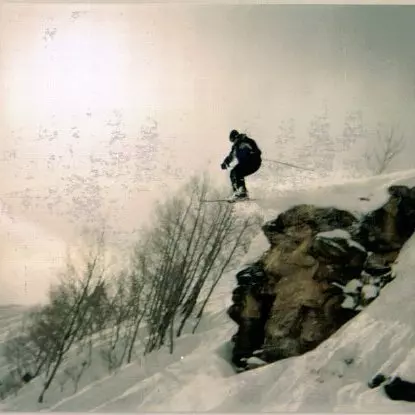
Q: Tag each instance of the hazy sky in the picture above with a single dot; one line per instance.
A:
(82, 81)
(199, 70)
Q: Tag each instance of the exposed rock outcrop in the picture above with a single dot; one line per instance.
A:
(323, 266)
(396, 388)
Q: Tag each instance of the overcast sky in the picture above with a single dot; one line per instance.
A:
(203, 70)
(200, 71)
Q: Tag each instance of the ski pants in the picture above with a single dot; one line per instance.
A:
(241, 170)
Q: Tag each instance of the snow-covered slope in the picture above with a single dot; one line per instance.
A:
(333, 377)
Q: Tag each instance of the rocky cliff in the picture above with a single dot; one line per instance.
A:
(324, 265)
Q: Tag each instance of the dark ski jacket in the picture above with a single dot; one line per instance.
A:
(244, 149)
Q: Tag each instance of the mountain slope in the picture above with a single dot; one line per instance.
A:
(333, 377)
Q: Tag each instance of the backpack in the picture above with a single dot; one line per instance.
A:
(246, 148)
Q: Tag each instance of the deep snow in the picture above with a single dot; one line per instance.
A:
(197, 376)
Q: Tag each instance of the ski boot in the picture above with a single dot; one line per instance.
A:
(239, 195)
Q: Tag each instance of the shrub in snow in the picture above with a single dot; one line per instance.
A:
(337, 247)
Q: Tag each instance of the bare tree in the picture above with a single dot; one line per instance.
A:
(126, 309)
(27, 349)
(241, 238)
(320, 137)
(120, 313)
(20, 353)
(75, 372)
(52, 330)
(389, 145)
(138, 300)
(66, 322)
(10, 384)
(189, 244)
(173, 271)
(62, 379)
(286, 133)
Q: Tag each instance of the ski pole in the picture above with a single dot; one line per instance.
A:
(288, 164)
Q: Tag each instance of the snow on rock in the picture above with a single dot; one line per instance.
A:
(369, 292)
(254, 362)
(354, 286)
(349, 302)
(340, 234)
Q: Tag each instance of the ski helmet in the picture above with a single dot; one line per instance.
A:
(233, 135)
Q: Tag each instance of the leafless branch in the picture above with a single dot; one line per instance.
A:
(388, 147)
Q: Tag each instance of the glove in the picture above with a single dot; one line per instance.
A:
(223, 166)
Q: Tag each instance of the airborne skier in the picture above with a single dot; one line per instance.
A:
(248, 155)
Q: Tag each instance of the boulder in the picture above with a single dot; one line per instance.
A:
(323, 266)
(387, 228)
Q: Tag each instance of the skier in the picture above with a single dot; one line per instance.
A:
(246, 151)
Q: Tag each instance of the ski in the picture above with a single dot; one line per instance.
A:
(228, 201)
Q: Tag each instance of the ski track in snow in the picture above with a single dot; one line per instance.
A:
(197, 377)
